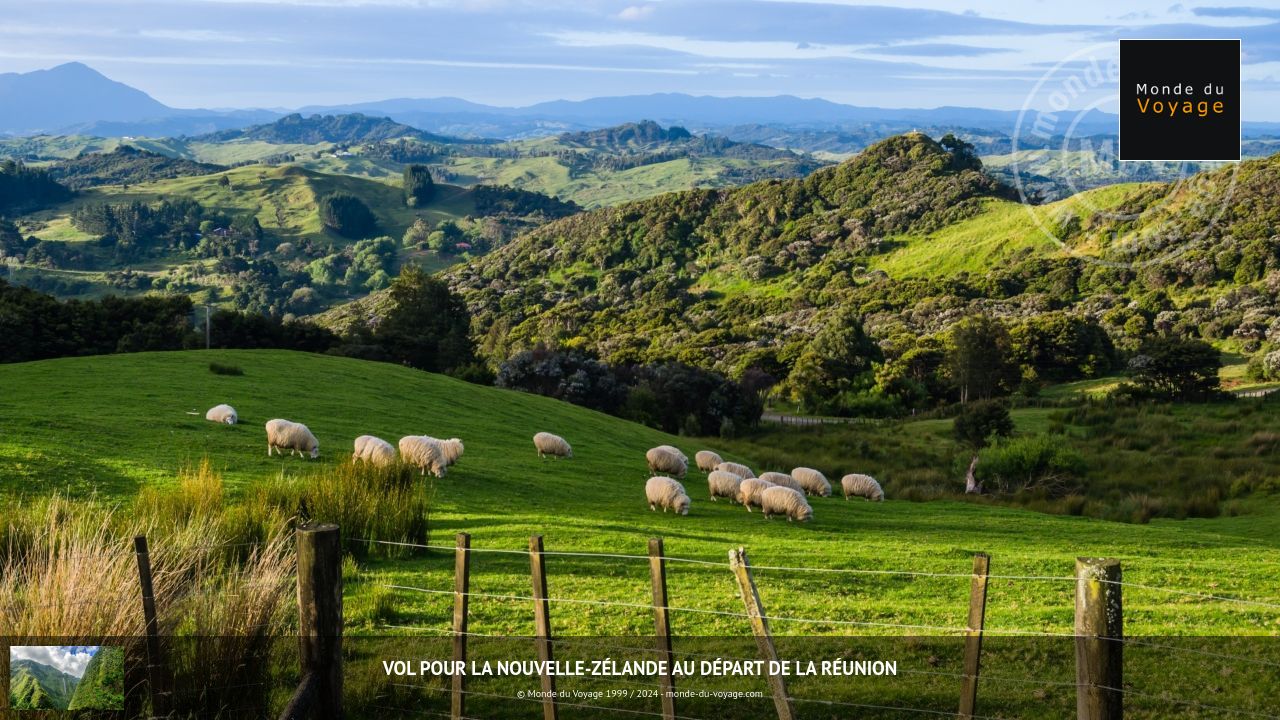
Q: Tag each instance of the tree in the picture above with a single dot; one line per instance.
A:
(418, 186)
(1174, 368)
(427, 326)
(974, 427)
(839, 353)
(980, 358)
(347, 215)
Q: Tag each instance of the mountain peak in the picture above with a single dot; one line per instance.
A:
(69, 94)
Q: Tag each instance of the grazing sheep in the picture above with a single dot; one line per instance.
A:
(662, 459)
(785, 501)
(295, 437)
(222, 414)
(813, 482)
(373, 450)
(707, 460)
(424, 453)
(677, 451)
(723, 484)
(452, 450)
(749, 492)
(668, 494)
(738, 469)
(783, 479)
(552, 445)
(863, 486)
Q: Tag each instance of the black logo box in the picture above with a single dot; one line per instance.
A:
(1180, 65)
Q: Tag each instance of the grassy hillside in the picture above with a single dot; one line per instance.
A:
(132, 428)
(34, 686)
(102, 685)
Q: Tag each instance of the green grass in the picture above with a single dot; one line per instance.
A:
(106, 426)
(1002, 230)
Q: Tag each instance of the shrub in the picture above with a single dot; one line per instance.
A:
(1033, 463)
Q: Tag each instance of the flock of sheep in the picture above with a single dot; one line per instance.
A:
(426, 453)
(775, 493)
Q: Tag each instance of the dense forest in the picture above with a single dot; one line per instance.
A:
(25, 189)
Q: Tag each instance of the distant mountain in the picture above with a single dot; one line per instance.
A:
(348, 128)
(67, 95)
(658, 144)
(182, 123)
(628, 135)
(126, 165)
(34, 685)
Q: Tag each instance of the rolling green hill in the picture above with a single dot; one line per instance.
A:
(35, 686)
(143, 420)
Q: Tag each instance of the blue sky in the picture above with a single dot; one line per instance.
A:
(910, 53)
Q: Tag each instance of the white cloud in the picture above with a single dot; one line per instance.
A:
(70, 659)
(635, 12)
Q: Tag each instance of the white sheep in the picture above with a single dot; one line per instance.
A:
(783, 479)
(723, 484)
(552, 445)
(707, 460)
(295, 437)
(424, 453)
(785, 501)
(666, 459)
(863, 486)
(666, 493)
(452, 450)
(738, 469)
(373, 450)
(749, 492)
(222, 414)
(677, 451)
(813, 482)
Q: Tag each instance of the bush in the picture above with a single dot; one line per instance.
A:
(1035, 463)
(347, 215)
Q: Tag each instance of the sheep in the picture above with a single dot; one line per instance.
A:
(222, 414)
(373, 450)
(676, 451)
(666, 493)
(452, 450)
(424, 453)
(663, 459)
(783, 479)
(863, 486)
(723, 484)
(785, 501)
(738, 469)
(295, 437)
(749, 491)
(707, 460)
(813, 482)
(552, 445)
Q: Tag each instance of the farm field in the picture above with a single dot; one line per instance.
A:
(57, 438)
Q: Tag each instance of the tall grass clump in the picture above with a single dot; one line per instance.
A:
(369, 503)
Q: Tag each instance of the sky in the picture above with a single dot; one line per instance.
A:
(70, 659)
(900, 53)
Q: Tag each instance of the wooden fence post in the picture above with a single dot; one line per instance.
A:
(662, 627)
(760, 627)
(320, 617)
(160, 699)
(542, 626)
(1099, 640)
(973, 635)
(461, 586)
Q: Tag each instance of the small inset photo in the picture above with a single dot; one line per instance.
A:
(66, 677)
